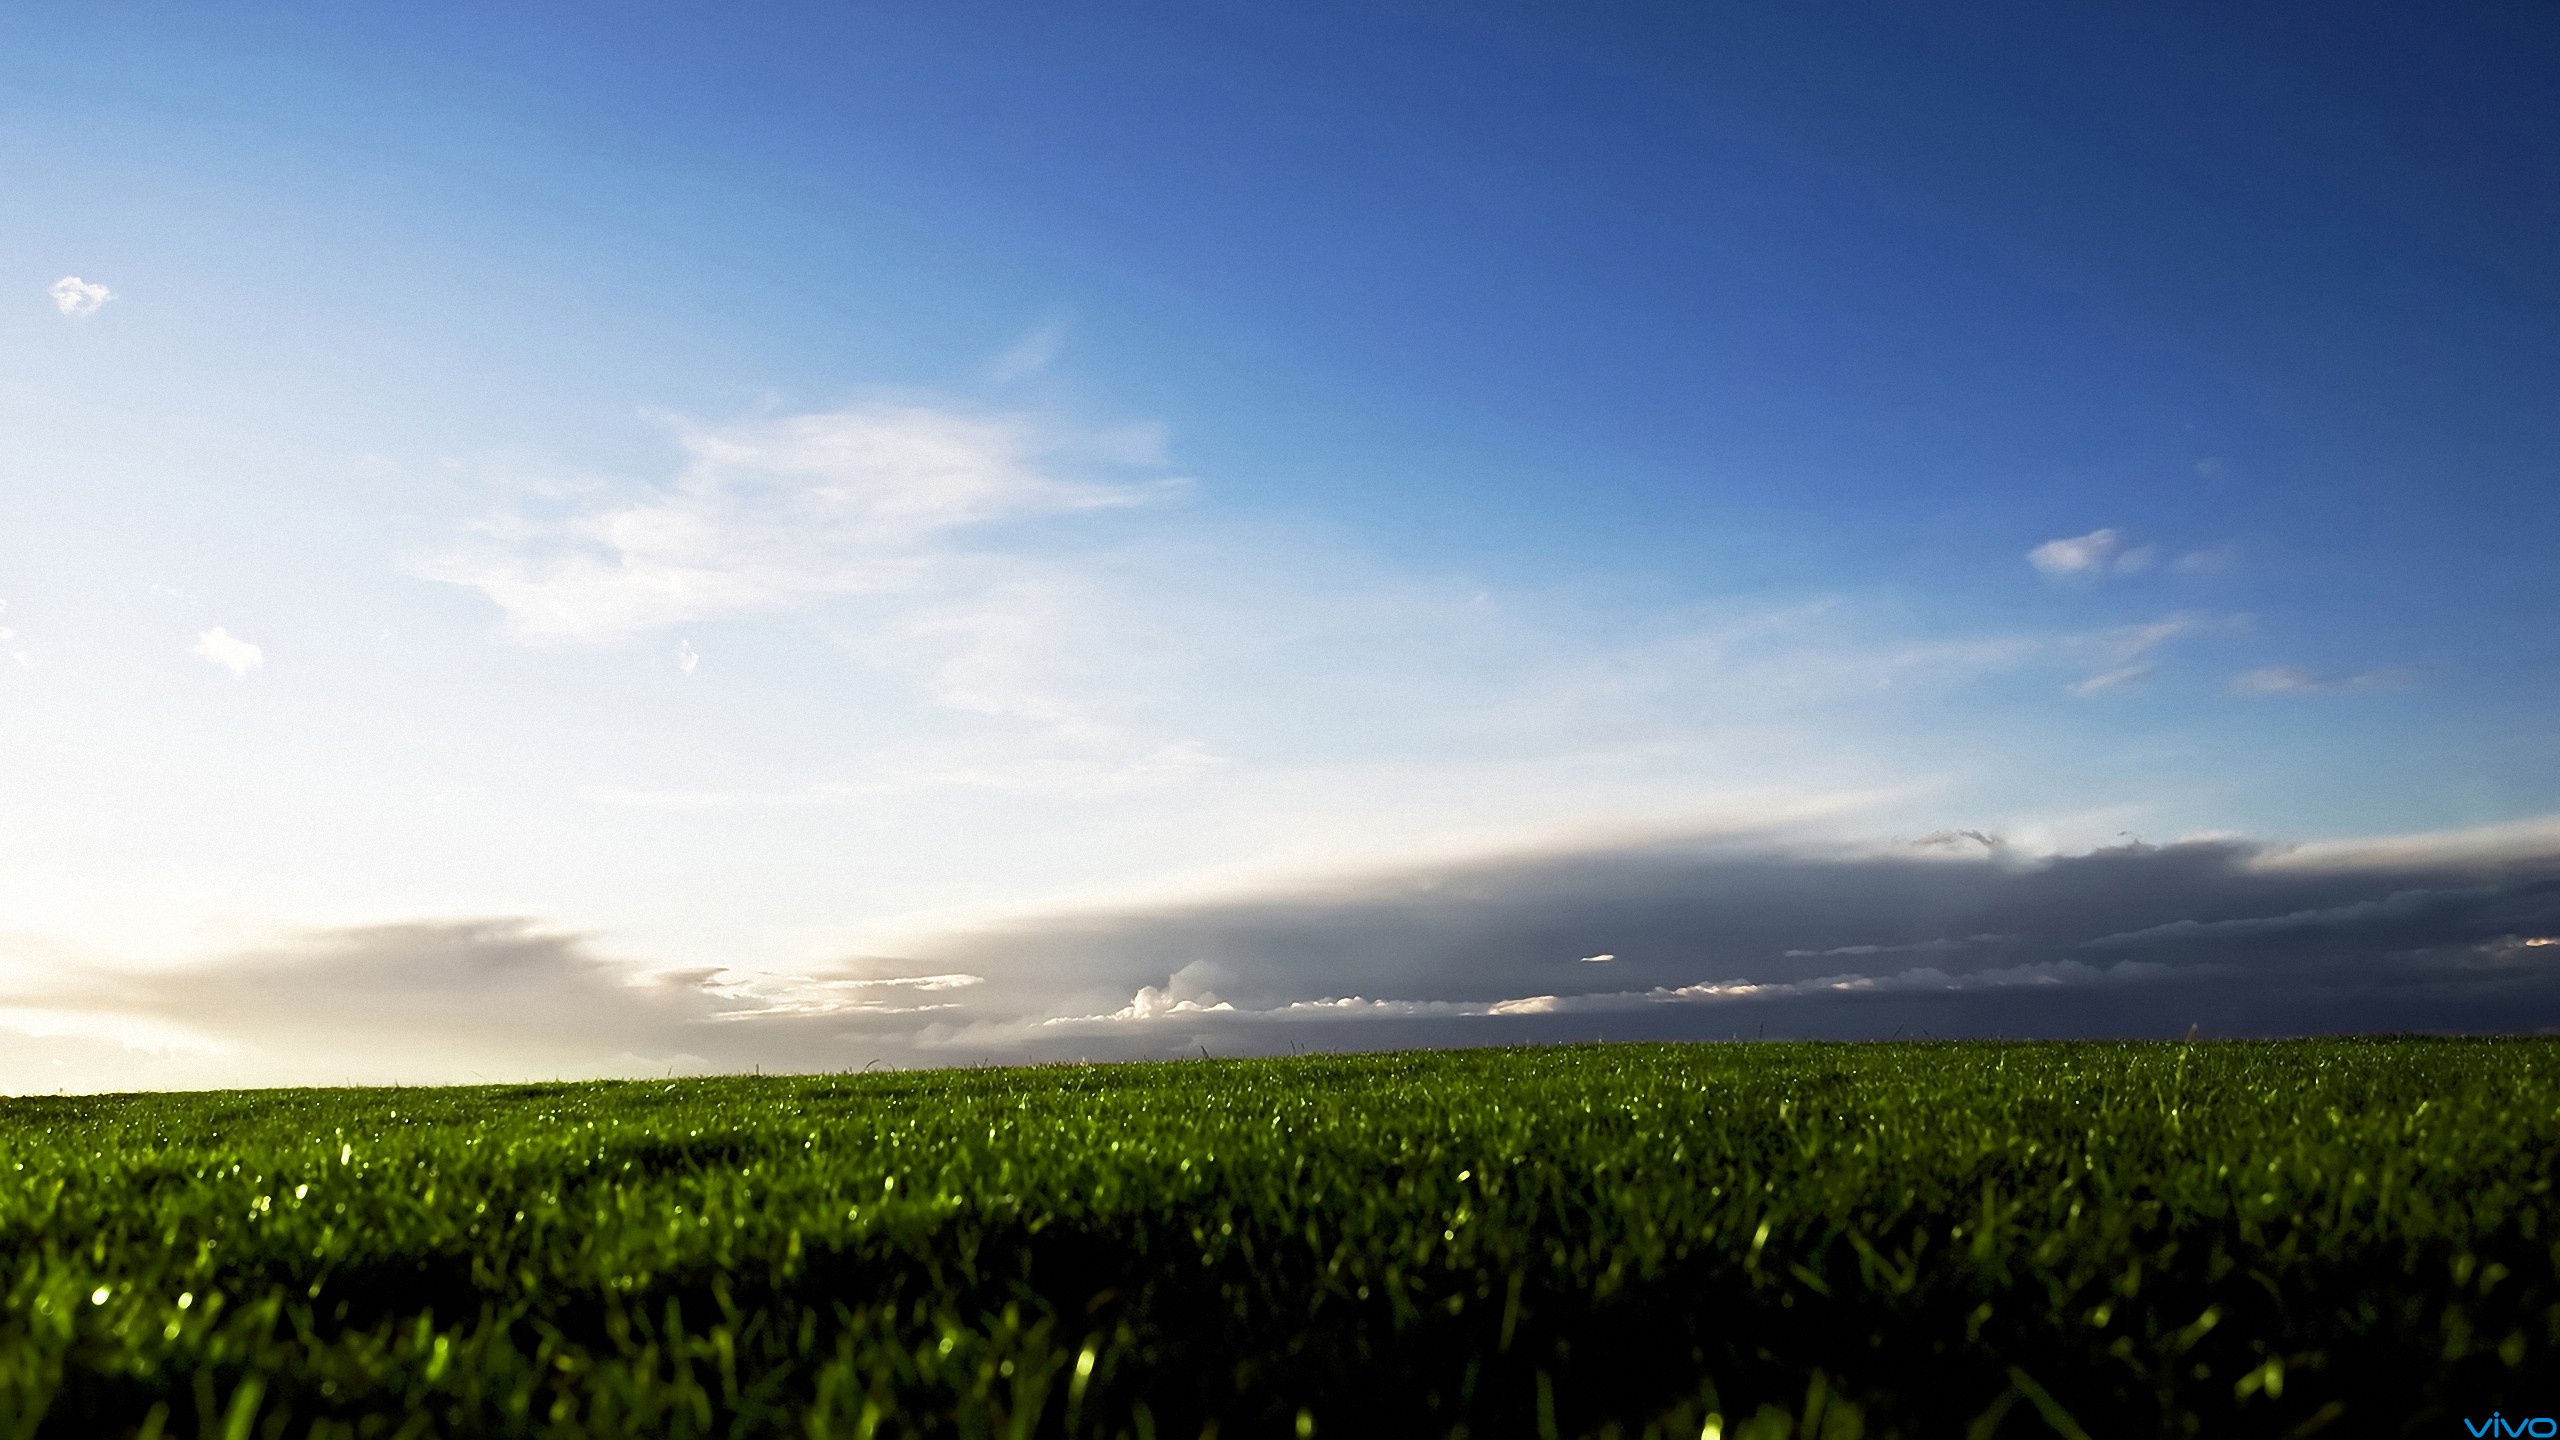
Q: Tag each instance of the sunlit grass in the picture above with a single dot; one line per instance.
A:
(2240, 1239)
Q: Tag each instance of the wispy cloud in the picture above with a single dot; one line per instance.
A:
(1420, 713)
(221, 647)
(2501, 845)
(941, 549)
(75, 297)
(2400, 906)
(2126, 653)
(2121, 678)
(2295, 680)
(1031, 354)
(1963, 943)
(779, 514)
(2083, 557)
(1010, 644)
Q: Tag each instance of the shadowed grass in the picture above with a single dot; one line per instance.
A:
(2343, 1237)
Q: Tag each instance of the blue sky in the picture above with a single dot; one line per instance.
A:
(781, 490)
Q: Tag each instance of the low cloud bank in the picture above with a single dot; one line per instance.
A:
(1710, 942)
(1707, 941)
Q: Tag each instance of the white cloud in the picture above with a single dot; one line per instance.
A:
(2079, 555)
(686, 659)
(778, 514)
(2083, 557)
(228, 651)
(2295, 680)
(1187, 992)
(75, 296)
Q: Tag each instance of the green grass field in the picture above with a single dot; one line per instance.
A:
(2346, 1238)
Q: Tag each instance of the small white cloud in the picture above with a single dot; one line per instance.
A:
(1598, 959)
(1151, 1003)
(2085, 557)
(75, 296)
(686, 659)
(228, 651)
(2295, 680)
(2206, 562)
(2079, 555)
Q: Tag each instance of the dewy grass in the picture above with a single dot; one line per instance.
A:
(2348, 1237)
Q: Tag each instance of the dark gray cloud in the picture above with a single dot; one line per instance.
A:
(1716, 941)
(1707, 941)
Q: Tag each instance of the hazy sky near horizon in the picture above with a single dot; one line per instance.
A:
(816, 506)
